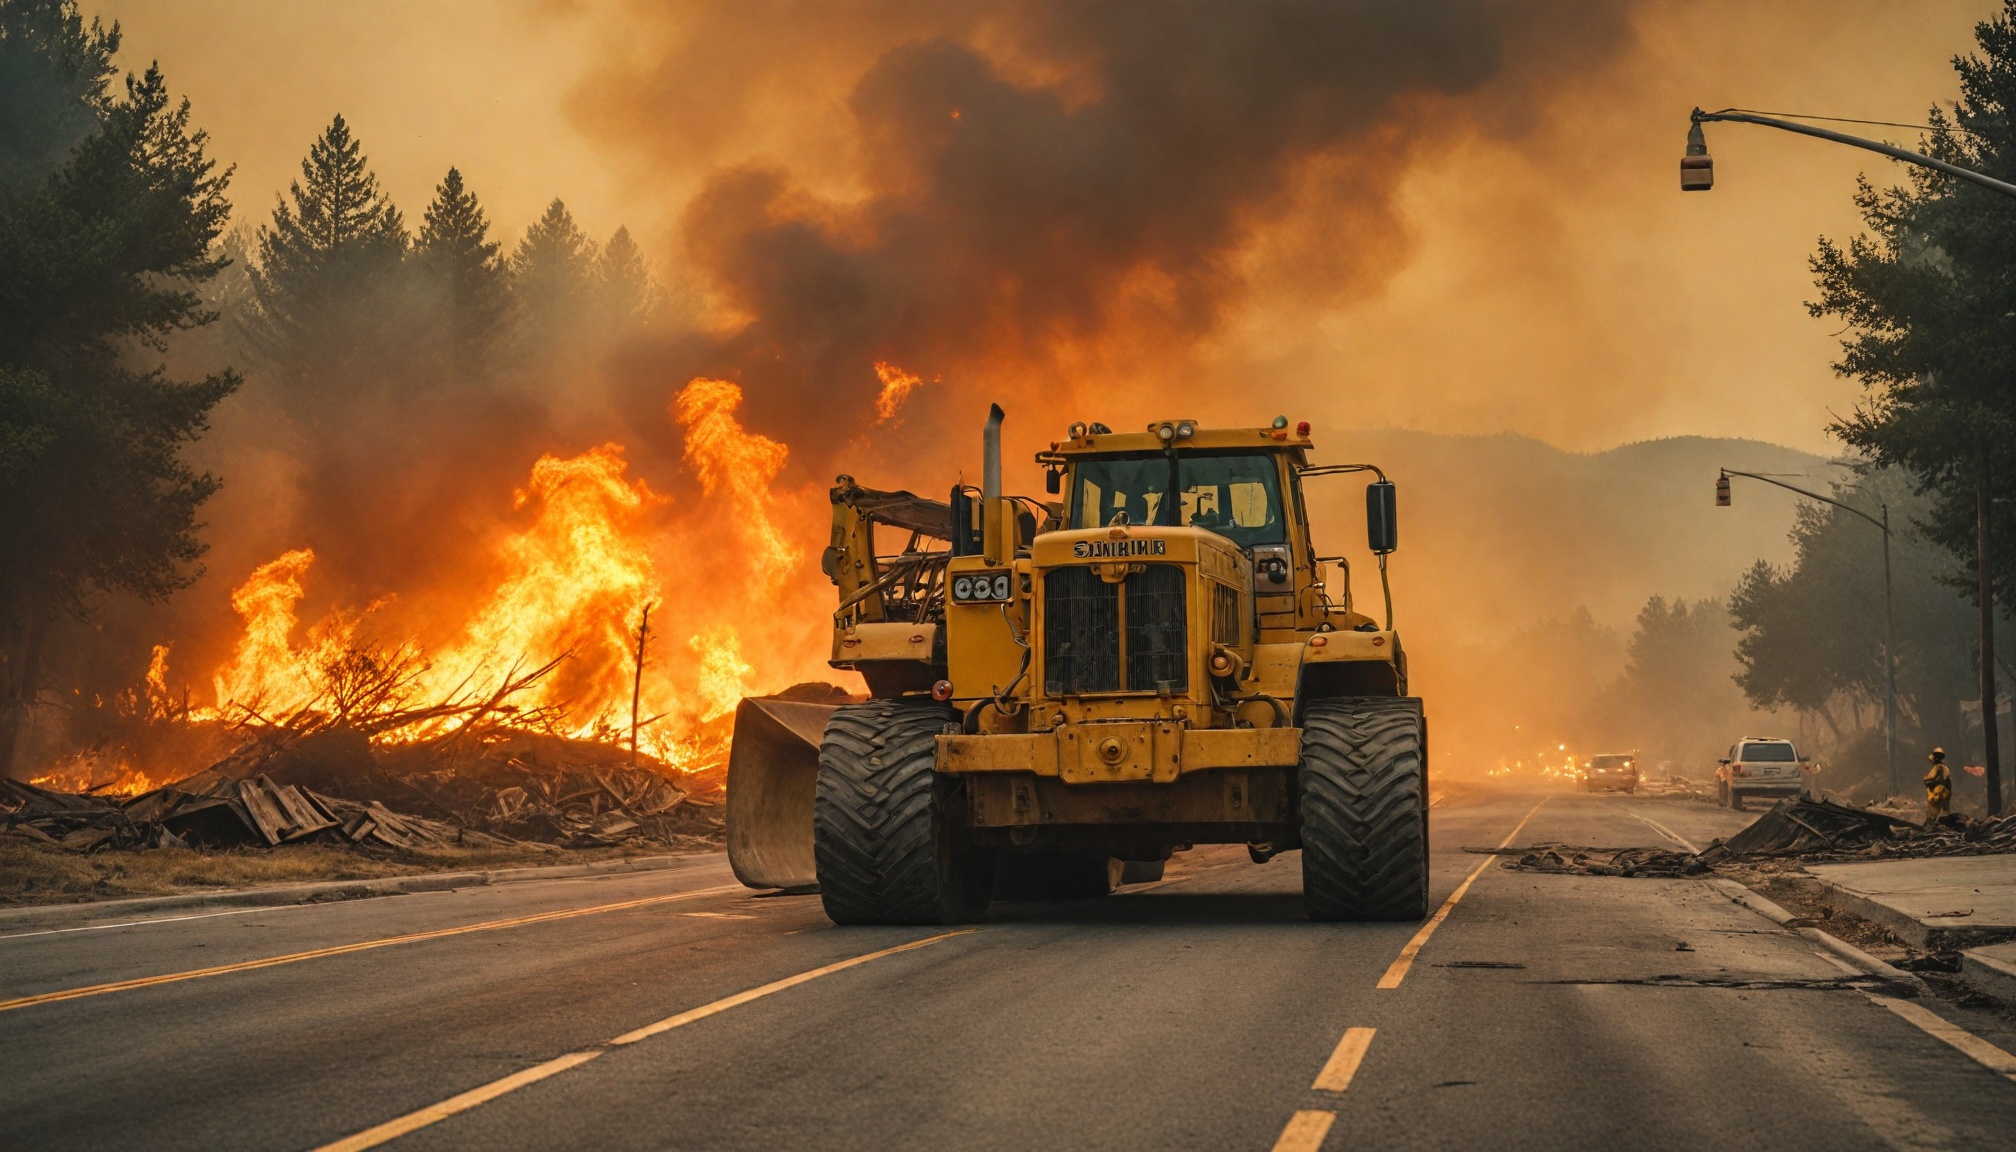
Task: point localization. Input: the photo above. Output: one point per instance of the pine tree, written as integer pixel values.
(327, 263)
(53, 76)
(465, 270)
(100, 262)
(553, 278)
(1928, 300)
(628, 293)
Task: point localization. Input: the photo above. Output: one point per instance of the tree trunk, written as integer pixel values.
(20, 678)
(1991, 744)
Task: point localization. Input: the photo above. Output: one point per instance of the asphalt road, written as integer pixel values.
(1193, 1014)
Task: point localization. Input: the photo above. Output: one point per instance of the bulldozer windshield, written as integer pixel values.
(1235, 494)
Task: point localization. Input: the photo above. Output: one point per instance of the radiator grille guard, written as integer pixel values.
(1082, 626)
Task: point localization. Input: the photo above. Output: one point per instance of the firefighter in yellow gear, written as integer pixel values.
(1938, 786)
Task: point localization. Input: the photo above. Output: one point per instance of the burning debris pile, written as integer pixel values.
(525, 787)
(1799, 829)
(357, 767)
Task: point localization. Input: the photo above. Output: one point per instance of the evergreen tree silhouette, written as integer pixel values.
(553, 278)
(628, 294)
(327, 265)
(465, 270)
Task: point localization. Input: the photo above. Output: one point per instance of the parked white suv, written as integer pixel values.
(1758, 766)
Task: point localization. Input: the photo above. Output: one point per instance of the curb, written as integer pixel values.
(1991, 977)
(329, 891)
(1913, 931)
(1738, 894)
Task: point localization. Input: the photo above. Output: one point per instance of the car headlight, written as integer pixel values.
(962, 588)
(1001, 587)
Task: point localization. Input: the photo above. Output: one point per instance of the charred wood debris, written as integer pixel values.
(326, 774)
(537, 789)
(1797, 830)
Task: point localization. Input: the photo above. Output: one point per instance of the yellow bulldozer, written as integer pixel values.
(1062, 693)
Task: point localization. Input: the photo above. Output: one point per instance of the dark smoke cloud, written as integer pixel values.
(1051, 191)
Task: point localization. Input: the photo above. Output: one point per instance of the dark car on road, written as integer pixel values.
(1611, 771)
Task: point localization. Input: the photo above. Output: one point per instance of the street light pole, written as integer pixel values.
(1889, 617)
(1697, 169)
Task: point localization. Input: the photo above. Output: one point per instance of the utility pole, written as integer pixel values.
(1991, 742)
(637, 680)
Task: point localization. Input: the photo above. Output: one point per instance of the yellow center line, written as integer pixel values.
(1343, 1063)
(346, 949)
(1981, 1051)
(435, 1113)
(1305, 1131)
(1398, 971)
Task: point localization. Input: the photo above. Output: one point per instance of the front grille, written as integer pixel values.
(1082, 628)
(1081, 633)
(1155, 658)
(1225, 622)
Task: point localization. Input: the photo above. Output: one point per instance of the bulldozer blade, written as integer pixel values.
(773, 771)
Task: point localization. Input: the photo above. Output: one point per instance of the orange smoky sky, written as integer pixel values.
(1500, 251)
(1408, 224)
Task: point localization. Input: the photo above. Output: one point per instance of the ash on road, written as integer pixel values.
(1202, 1012)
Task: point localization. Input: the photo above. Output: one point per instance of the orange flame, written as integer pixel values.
(576, 582)
(896, 386)
(160, 705)
(266, 667)
(577, 577)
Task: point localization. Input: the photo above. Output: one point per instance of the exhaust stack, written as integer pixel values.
(993, 524)
(990, 455)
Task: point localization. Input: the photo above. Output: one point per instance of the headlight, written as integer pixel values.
(962, 588)
(1001, 587)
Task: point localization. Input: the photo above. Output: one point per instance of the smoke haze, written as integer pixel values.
(1458, 220)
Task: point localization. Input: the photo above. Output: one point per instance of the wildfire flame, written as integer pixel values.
(266, 665)
(576, 582)
(896, 386)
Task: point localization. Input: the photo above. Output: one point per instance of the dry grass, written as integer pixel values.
(34, 874)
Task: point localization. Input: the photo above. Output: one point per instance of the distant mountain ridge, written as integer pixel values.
(1498, 531)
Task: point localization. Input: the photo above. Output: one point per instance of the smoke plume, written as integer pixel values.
(1047, 201)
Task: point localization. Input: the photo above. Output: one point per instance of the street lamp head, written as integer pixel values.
(1722, 491)
(1697, 168)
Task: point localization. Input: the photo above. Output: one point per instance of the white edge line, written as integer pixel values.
(1938, 1027)
(157, 920)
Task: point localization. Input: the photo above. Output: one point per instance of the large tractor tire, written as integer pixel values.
(1055, 875)
(1365, 809)
(887, 833)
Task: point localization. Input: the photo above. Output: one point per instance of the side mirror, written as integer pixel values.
(1382, 531)
(1721, 761)
(1053, 482)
